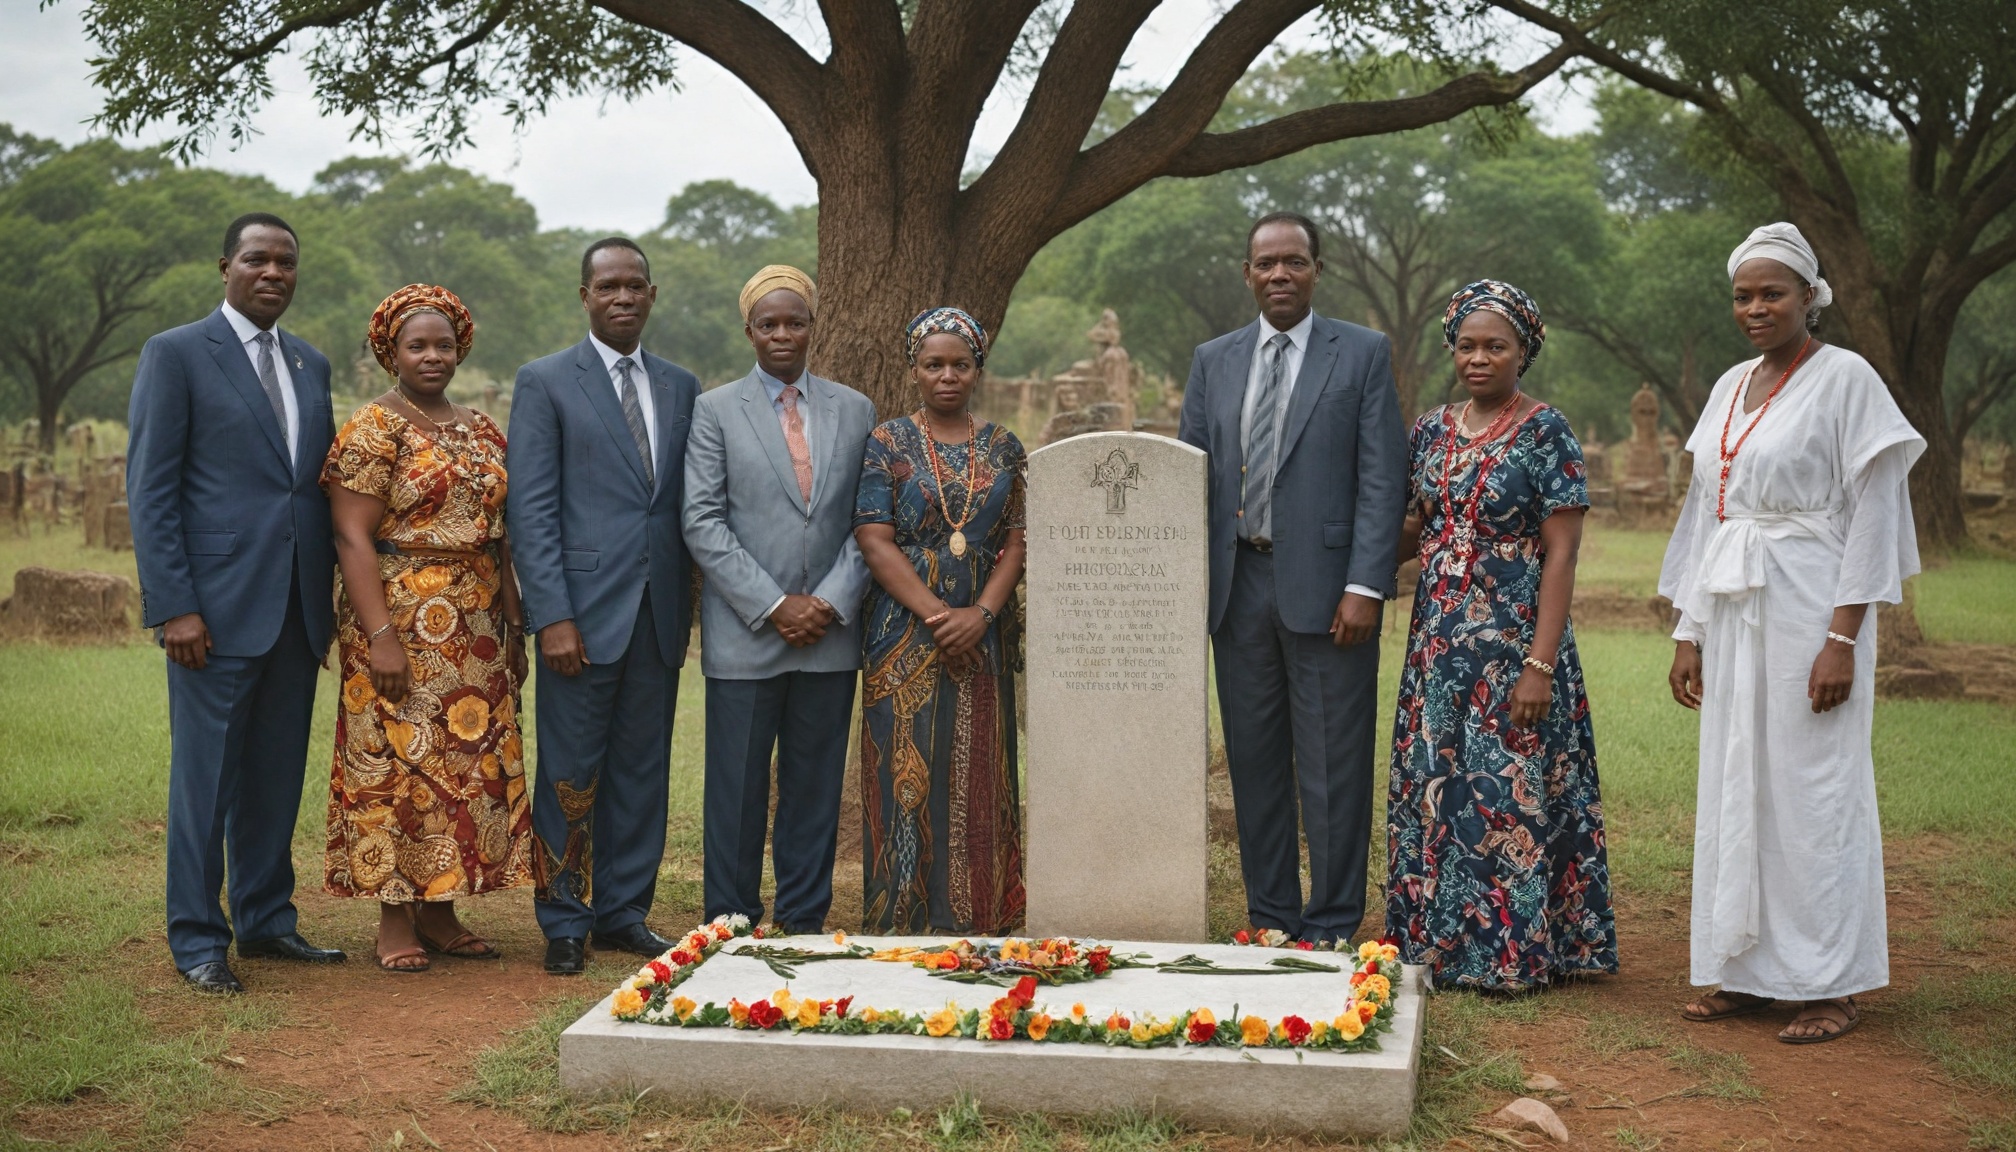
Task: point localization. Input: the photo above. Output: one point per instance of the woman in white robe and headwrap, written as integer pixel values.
(1797, 523)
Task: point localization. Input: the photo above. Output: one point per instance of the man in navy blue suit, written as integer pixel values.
(230, 422)
(597, 462)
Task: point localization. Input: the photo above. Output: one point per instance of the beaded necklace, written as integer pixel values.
(1722, 448)
(1459, 518)
(966, 509)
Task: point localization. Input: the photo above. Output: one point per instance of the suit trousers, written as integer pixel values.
(605, 755)
(1299, 716)
(238, 740)
(804, 716)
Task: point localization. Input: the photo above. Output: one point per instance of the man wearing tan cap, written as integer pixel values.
(771, 467)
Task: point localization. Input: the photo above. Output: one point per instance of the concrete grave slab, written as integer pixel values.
(1251, 1090)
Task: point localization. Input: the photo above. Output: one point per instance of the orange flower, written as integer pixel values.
(358, 693)
(1077, 1013)
(468, 718)
(1253, 1032)
(682, 1007)
(1367, 1010)
(1117, 1023)
(943, 1021)
(738, 1012)
(1039, 1026)
(1350, 1026)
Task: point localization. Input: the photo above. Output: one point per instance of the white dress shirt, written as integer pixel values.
(640, 379)
(1291, 367)
(248, 332)
(774, 388)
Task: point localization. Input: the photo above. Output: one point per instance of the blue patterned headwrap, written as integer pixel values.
(932, 321)
(1507, 301)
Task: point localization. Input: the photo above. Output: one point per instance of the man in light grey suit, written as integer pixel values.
(771, 469)
(1308, 486)
(597, 466)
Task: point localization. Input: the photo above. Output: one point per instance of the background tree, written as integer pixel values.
(883, 123)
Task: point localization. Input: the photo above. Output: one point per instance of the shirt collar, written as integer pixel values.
(247, 331)
(1298, 335)
(774, 388)
(610, 356)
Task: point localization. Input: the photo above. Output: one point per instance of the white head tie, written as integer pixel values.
(1783, 243)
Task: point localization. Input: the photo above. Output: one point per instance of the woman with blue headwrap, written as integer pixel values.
(1496, 872)
(939, 521)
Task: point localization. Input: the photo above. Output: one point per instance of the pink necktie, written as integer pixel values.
(794, 439)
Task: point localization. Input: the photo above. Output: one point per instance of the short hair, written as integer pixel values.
(588, 257)
(236, 231)
(1307, 225)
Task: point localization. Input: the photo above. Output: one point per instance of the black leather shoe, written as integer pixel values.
(565, 956)
(636, 938)
(289, 947)
(214, 978)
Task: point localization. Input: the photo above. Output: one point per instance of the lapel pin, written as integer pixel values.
(297, 360)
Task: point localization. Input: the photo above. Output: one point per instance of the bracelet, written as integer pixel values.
(382, 629)
(1542, 665)
(986, 613)
(1848, 640)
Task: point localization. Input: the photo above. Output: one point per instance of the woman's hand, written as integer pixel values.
(958, 630)
(1833, 675)
(391, 671)
(1685, 677)
(1531, 697)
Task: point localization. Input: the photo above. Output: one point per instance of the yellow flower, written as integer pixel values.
(1039, 1026)
(784, 1001)
(1253, 1032)
(1388, 954)
(1077, 1013)
(808, 1013)
(1349, 1026)
(1016, 950)
(682, 1007)
(468, 718)
(357, 693)
(628, 1002)
(1317, 1030)
(943, 1021)
(1369, 950)
(1376, 988)
(1161, 1028)
(871, 1015)
(1140, 1033)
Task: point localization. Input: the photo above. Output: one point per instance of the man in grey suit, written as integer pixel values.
(771, 470)
(1308, 486)
(597, 465)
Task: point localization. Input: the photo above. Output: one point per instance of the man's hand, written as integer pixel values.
(1833, 675)
(1685, 676)
(801, 620)
(560, 646)
(187, 640)
(1357, 620)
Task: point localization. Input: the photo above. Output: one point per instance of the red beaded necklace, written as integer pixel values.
(1723, 450)
(1459, 519)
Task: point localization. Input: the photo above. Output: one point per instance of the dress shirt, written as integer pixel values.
(1291, 367)
(640, 379)
(248, 332)
(774, 388)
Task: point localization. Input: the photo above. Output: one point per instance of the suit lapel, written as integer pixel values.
(763, 421)
(1316, 365)
(826, 414)
(601, 391)
(229, 353)
(1230, 400)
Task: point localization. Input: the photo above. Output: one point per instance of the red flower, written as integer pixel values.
(1305, 945)
(1201, 1030)
(681, 957)
(1371, 967)
(758, 933)
(1294, 1027)
(1100, 959)
(1000, 1028)
(1241, 937)
(841, 1005)
(763, 1014)
(659, 971)
(1024, 992)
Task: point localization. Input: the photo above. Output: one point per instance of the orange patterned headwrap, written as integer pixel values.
(409, 302)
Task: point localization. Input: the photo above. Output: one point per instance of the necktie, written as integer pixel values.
(794, 439)
(269, 379)
(633, 415)
(1261, 438)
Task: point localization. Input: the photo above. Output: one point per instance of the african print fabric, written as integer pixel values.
(941, 839)
(427, 799)
(1497, 872)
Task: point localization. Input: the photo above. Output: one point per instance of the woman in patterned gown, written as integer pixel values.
(939, 521)
(427, 798)
(1497, 875)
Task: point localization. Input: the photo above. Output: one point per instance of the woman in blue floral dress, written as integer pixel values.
(1496, 871)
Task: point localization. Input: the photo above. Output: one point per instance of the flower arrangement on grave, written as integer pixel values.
(1008, 962)
(653, 983)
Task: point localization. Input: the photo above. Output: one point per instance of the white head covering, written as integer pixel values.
(1783, 243)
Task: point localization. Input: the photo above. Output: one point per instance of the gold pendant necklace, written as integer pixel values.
(957, 542)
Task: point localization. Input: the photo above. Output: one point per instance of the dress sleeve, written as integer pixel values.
(364, 455)
(1418, 442)
(1882, 546)
(1554, 464)
(875, 498)
(1015, 462)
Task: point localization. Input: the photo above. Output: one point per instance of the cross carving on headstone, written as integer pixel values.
(1116, 474)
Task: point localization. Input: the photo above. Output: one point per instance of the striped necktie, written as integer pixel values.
(633, 415)
(1261, 441)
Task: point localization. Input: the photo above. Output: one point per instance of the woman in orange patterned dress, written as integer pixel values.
(427, 797)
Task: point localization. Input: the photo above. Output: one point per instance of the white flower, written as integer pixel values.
(737, 922)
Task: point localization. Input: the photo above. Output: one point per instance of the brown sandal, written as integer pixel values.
(1850, 1017)
(462, 947)
(385, 962)
(1740, 1004)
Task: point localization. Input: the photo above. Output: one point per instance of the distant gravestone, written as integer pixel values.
(73, 607)
(118, 530)
(1117, 580)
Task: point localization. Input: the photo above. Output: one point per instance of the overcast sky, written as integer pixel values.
(585, 165)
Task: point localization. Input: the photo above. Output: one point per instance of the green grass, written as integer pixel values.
(1970, 599)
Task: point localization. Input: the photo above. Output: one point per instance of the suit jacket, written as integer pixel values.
(754, 536)
(588, 536)
(223, 521)
(1340, 489)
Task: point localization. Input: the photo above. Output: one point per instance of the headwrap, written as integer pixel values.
(1507, 301)
(932, 321)
(1783, 243)
(772, 277)
(409, 302)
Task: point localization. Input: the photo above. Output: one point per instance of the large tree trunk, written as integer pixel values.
(1937, 499)
(48, 417)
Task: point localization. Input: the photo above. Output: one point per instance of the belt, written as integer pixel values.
(388, 548)
(1261, 546)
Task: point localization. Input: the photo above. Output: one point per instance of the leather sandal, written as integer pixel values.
(1849, 1018)
(1740, 1004)
(385, 963)
(462, 947)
